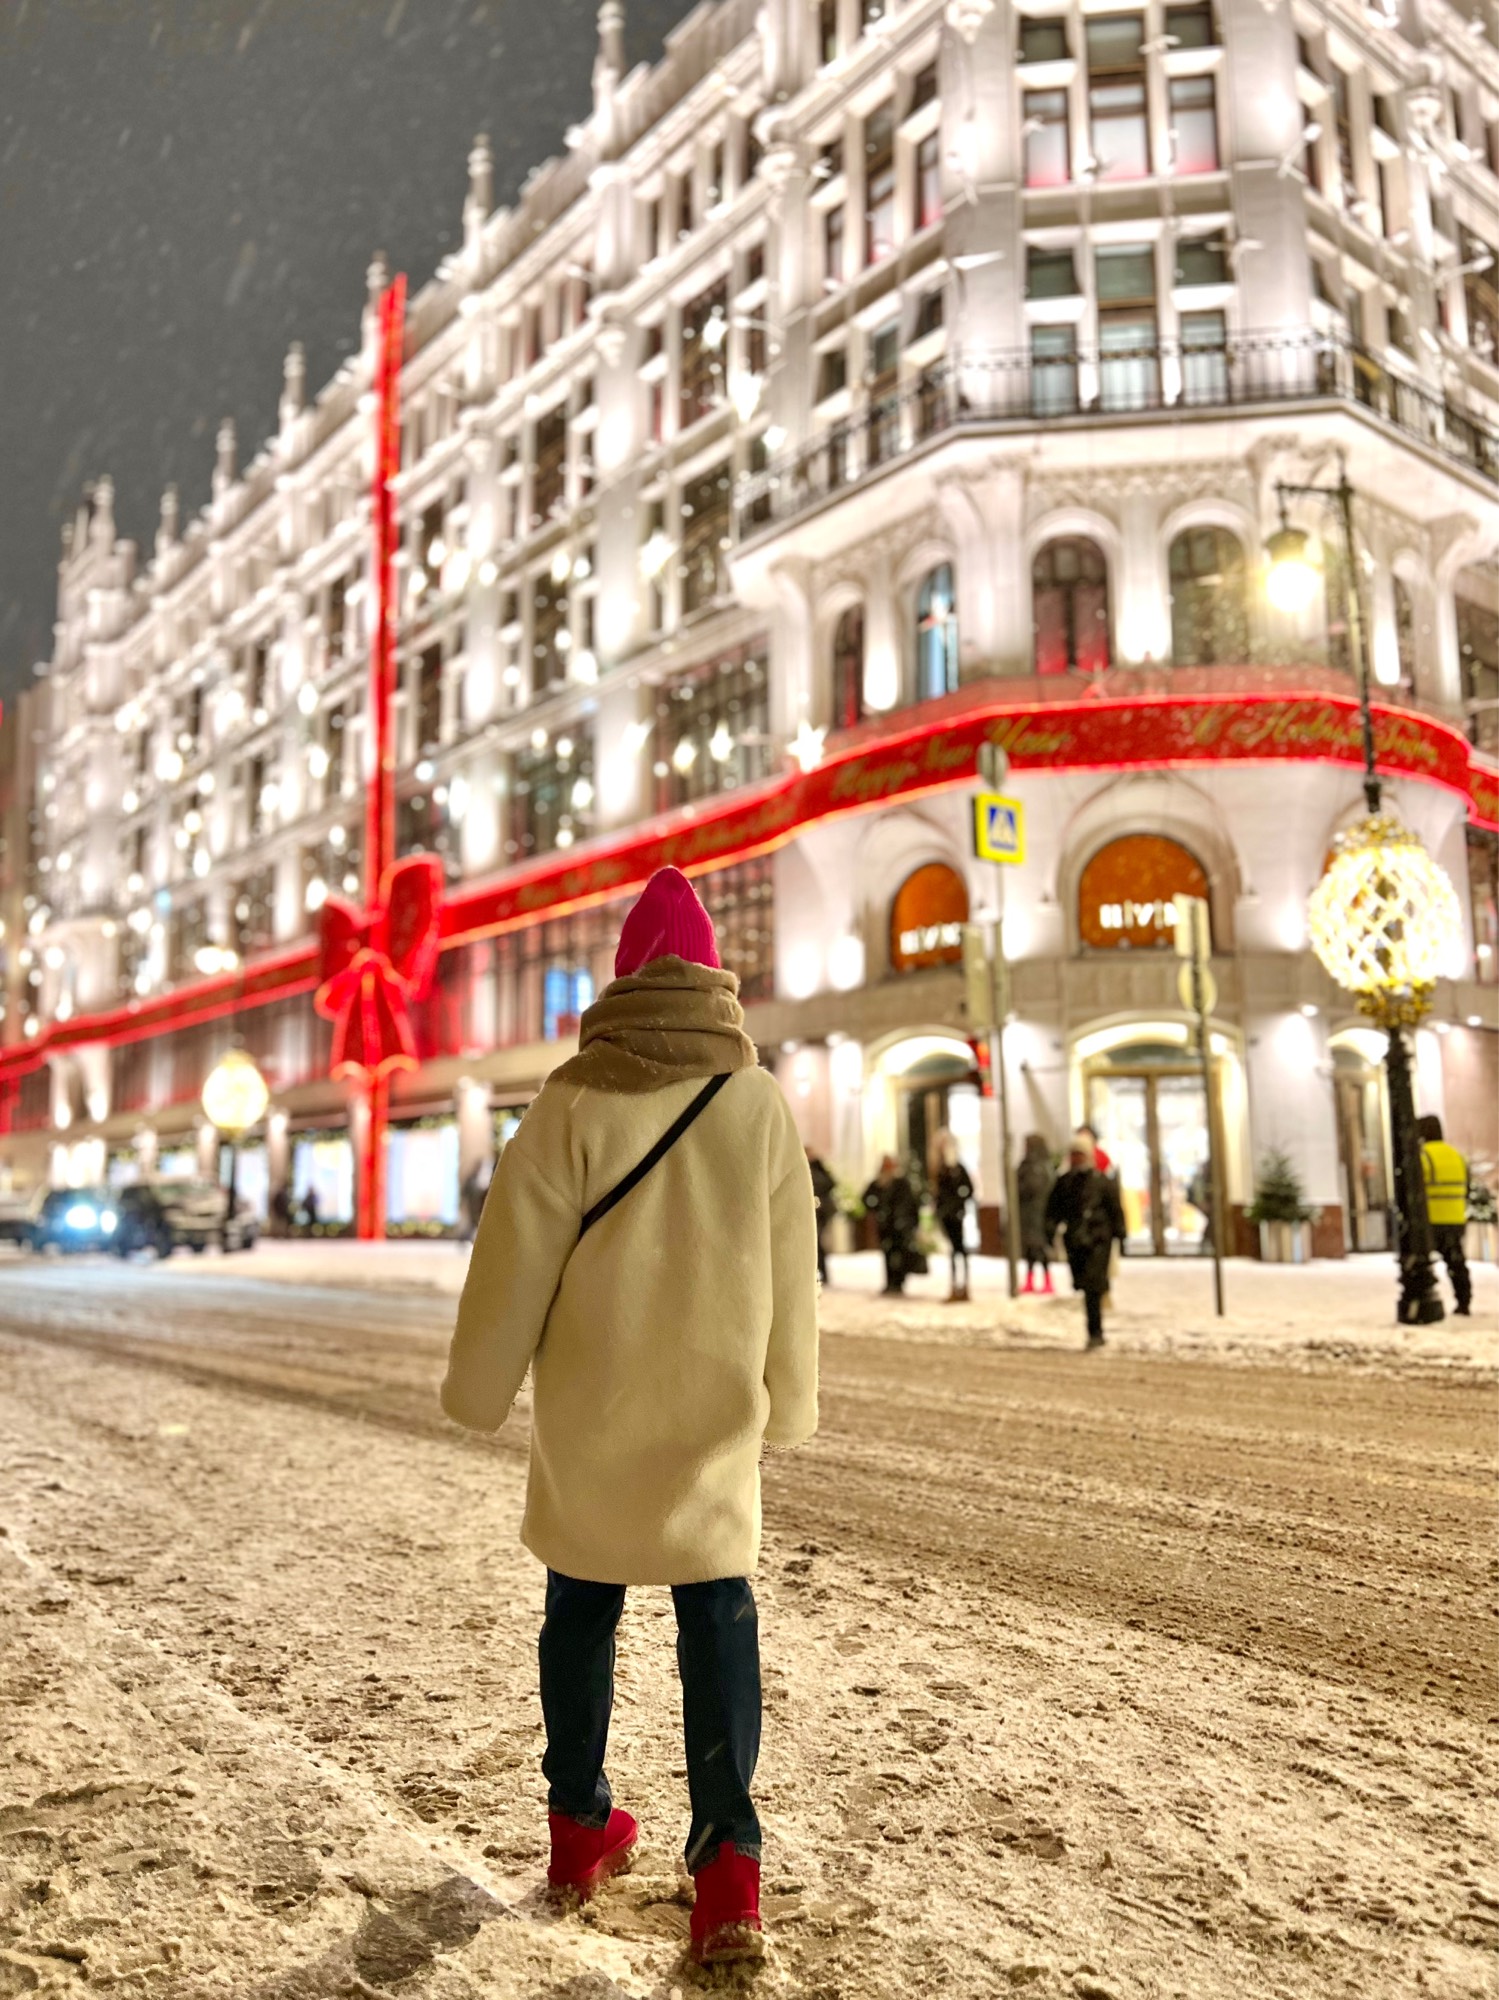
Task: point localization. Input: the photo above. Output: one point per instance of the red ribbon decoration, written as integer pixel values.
(374, 964)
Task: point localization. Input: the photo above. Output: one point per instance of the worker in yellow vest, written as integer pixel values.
(1445, 1172)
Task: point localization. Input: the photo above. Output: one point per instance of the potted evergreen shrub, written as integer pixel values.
(1483, 1223)
(1280, 1209)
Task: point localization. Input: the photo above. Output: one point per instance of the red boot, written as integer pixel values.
(1028, 1287)
(585, 1856)
(726, 1915)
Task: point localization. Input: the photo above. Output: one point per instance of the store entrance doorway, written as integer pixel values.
(1152, 1120)
(1363, 1152)
(938, 1095)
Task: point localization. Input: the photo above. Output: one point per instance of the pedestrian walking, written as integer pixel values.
(824, 1195)
(952, 1190)
(471, 1201)
(648, 1250)
(1200, 1197)
(1035, 1178)
(1445, 1173)
(1085, 1206)
(891, 1200)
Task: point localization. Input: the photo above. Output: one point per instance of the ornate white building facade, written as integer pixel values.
(865, 381)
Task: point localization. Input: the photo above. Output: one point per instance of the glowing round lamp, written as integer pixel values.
(1383, 918)
(235, 1095)
(1293, 579)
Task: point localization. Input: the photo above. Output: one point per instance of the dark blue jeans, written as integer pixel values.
(718, 1657)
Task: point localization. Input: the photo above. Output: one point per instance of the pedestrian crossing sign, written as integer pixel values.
(998, 828)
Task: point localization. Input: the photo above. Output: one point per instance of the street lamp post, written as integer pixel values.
(1383, 911)
(234, 1099)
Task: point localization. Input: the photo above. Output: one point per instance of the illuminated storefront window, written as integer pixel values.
(927, 919)
(1125, 897)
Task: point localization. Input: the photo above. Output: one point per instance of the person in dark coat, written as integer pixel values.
(1035, 1178)
(823, 1196)
(891, 1200)
(952, 1191)
(1085, 1206)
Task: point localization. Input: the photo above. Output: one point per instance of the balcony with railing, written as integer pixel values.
(1085, 385)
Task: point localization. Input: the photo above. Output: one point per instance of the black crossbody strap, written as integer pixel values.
(657, 1153)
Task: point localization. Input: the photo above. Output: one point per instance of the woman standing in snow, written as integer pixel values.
(952, 1190)
(650, 1254)
(1034, 1180)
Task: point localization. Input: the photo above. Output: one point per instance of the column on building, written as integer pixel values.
(1262, 115)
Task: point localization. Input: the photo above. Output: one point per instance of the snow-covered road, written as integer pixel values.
(1161, 1671)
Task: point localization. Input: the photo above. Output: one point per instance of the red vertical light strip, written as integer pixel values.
(379, 850)
(380, 804)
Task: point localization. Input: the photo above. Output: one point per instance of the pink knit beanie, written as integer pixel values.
(668, 919)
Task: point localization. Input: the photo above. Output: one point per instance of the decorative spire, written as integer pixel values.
(102, 518)
(480, 201)
(166, 532)
(612, 36)
(293, 384)
(225, 446)
(608, 69)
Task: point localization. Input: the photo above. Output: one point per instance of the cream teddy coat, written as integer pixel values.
(670, 1342)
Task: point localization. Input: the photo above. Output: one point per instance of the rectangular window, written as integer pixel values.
(1194, 120)
(879, 185)
(928, 181)
(551, 795)
(654, 230)
(1129, 369)
(712, 726)
(1201, 260)
(832, 372)
(704, 323)
(549, 468)
(429, 699)
(929, 313)
(717, 183)
(827, 31)
(1192, 27)
(1204, 357)
(1048, 139)
(1042, 41)
(548, 627)
(1116, 97)
(705, 538)
(832, 244)
(1053, 370)
(741, 902)
(923, 89)
(1120, 142)
(1125, 272)
(1050, 274)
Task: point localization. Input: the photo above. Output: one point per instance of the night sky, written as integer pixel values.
(187, 186)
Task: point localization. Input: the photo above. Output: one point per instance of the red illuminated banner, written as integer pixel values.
(1120, 734)
(1210, 721)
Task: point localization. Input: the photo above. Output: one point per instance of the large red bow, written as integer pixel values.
(374, 963)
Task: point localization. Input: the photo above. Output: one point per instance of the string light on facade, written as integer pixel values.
(721, 744)
(307, 698)
(806, 746)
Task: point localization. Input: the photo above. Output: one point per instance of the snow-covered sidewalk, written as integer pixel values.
(1335, 1309)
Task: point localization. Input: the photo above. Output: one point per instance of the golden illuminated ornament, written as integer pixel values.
(235, 1096)
(1383, 919)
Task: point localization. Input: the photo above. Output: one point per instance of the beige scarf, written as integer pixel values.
(667, 1022)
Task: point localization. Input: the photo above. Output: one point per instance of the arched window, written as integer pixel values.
(1070, 606)
(936, 634)
(1209, 599)
(848, 668)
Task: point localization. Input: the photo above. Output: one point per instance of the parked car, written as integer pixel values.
(18, 1214)
(161, 1215)
(75, 1219)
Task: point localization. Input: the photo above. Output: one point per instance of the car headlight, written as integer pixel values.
(81, 1216)
(107, 1221)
